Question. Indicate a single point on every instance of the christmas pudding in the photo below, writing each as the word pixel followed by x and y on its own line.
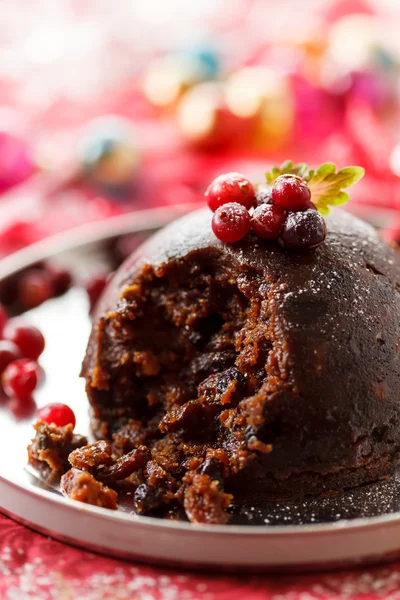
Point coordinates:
pixel 252 357
pixel 240 358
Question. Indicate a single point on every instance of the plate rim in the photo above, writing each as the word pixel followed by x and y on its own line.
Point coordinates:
pixel 91 233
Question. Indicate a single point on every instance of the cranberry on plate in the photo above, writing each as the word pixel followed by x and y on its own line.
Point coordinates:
pixel 3 318
pixel 27 337
pixel 57 413
pixel 94 286
pixel 34 288
pixel 20 378
pixel 8 353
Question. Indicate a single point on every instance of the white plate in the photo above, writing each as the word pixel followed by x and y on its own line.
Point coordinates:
pixel 360 526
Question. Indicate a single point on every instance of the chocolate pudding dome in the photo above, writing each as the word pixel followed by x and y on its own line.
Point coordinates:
pixel 253 352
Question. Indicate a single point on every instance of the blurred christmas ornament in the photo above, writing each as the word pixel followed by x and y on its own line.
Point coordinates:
pixel 352 41
pixel 16 161
pixel 109 155
pixel 371 138
pixel 205 119
pixel 360 61
pixel 375 88
pixel 169 77
pixel 206 60
pixel 315 111
pixel 362 43
pixel 395 160
pixel 264 98
pixel 334 10
pixel 166 80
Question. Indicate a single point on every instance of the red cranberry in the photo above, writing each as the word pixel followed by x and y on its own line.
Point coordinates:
pixel 20 378
pixel 310 205
pixel 34 288
pixel 231 222
pixel 57 413
pixel 3 318
pixel 61 278
pixel 291 192
pixel 8 290
pixel 27 337
pixel 302 230
pixel 94 287
pixel 231 187
pixel 8 353
pixel 264 196
pixel 268 221
pixel 24 409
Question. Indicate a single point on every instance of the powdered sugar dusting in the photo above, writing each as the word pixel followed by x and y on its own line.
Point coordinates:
pixel 382 497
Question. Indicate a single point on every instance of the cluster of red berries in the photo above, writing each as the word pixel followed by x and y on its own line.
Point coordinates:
pixel 284 212
pixel 20 348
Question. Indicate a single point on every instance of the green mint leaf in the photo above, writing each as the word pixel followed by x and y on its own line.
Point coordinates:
pixel 286 168
pixel 326 185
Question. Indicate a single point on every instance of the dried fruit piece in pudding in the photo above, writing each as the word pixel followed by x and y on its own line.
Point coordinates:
pixel 231 222
pixel 27 337
pixel 91 456
pixel 83 487
pixel 231 187
pixel 159 489
pixel 49 450
pixel 124 466
pixel 147 498
pixel 204 501
pixel 267 221
pixel 291 192
pixel 303 230
pixel 57 413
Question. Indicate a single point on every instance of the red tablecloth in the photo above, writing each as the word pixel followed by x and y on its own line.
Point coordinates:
pixel 34 566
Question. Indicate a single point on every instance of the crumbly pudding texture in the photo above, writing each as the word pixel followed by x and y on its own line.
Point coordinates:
pixel 221 375
pixel 178 347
